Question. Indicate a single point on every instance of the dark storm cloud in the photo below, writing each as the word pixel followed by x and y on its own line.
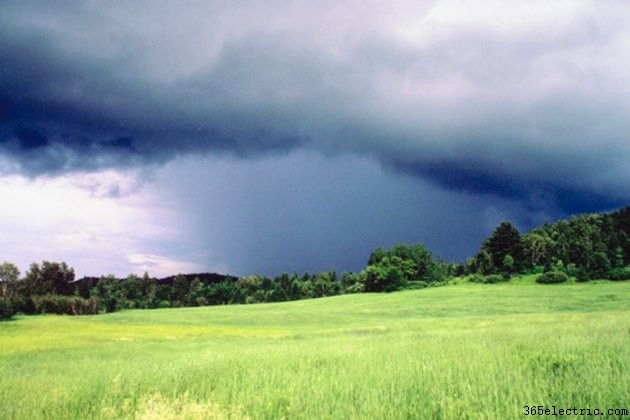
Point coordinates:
pixel 307 212
pixel 480 179
pixel 520 102
pixel 84 112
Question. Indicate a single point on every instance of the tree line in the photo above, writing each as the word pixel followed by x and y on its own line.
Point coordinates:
pixel 591 246
pixel 585 247
pixel 50 287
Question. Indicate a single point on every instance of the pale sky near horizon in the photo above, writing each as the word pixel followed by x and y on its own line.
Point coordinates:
pixel 267 136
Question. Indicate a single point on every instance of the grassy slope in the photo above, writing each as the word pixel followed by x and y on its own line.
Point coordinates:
pixel 462 351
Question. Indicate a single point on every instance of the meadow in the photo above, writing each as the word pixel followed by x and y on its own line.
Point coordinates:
pixel 453 352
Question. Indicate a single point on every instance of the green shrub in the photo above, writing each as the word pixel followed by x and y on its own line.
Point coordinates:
pixel 52 304
pixel 356 288
pixel 70 305
pixel 496 278
pixel 537 269
pixel 490 279
pixel 571 269
pixel 89 306
pixel 6 309
pixel 619 273
pixel 25 305
pixel 600 264
pixel 384 278
pixel 552 277
pixel 476 278
pixel 582 275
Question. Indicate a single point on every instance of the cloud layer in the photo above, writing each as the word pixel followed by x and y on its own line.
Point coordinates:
pixel 526 100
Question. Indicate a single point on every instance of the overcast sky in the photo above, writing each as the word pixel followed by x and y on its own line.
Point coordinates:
pixel 271 136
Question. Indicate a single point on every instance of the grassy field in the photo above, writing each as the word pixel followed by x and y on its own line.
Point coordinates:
pixel 454 352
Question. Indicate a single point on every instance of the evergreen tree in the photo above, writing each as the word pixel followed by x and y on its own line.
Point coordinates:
pixel 179 290
pixel 504 241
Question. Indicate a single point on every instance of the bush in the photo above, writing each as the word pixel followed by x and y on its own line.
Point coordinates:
pixel 6 309
pixel 89 306
pixel 537 269
pixel 384 278
pixel 417 284
pixel 552 277
pixel 356 288
pixel 476 278
pixel 490 279
pixel 571 270
pixel 25 305
pixel 582 275
pixel 496 278
pixel 70 305
pixel 600 265
pixel 620 273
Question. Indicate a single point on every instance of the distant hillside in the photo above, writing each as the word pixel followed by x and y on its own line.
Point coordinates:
pixel 206 278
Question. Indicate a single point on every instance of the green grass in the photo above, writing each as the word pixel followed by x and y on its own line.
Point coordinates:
pixel 461 351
